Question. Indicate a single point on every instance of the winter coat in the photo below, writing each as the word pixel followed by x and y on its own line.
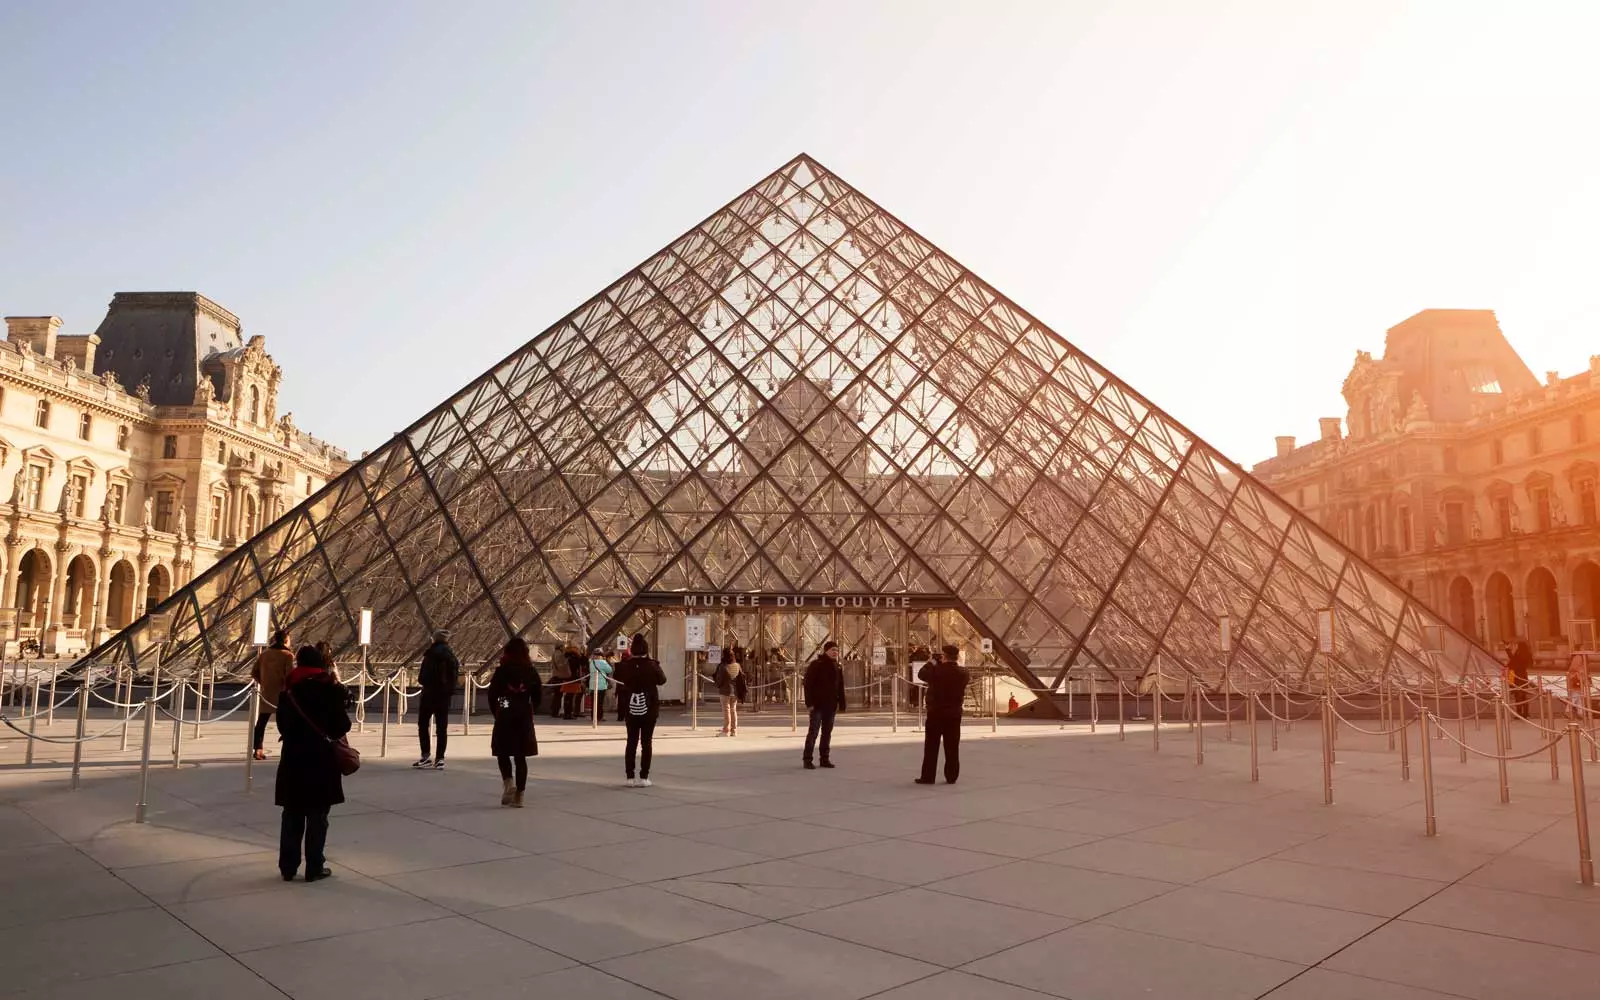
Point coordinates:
pixel 729 679
pixel 577 671
pixel 636 675
pixel 600 669
pixel 824 683
pixel 308 775
pixel 514 693
pixel 947 688
pixel 438 676
pixel 271 670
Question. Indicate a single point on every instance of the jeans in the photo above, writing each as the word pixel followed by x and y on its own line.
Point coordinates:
pixel 641 730
pixel 439 712
pixel 821 721
pixel 261 726
pixel 948 731
pixel 521 770
pixel 297 826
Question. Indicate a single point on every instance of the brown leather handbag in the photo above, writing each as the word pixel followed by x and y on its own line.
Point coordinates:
pixel 345 756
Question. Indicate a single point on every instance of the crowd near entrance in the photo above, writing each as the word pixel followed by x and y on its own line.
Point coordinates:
pixel 880 648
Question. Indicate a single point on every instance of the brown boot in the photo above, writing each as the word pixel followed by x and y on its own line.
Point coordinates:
pixel 507 792
pixel 516 798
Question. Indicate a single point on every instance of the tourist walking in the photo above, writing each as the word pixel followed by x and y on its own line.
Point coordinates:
pixel 731 688
pixel 514 693
pixel 1519 664
pixel 313 718
pixel 438 675
pixel 639 678
pixel 271 670
pixel 560 674
pixel 599 680
pixel 947 682
pixel 824 692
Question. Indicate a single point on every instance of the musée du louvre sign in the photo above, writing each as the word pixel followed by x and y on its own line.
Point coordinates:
pixel 748 601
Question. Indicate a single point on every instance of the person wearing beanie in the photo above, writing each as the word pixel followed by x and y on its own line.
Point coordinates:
pixel 312 718
pixel 639 678
pixel 824 691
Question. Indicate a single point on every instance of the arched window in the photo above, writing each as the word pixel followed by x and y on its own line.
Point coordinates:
pixel 255 405
pixel 41 413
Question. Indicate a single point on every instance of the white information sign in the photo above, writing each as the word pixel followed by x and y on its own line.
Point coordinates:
pixel 880 656
pixel 916 668
pixel 622 644
pixel 694 634
pixel 986 644
pixel 366 626
pixel 1325 630
pixel 160 627
pixel 261 624
pixel 1225 633
pixel 713 655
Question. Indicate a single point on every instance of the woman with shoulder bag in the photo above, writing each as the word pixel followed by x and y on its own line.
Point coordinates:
pixel 312 721
pixel 514 693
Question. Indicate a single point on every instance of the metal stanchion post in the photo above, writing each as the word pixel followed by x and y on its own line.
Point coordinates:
pixel 1550 724
pixel 466 706
pixel 33 722
pixel 1250 720
pixel 894 702
pixel 1500 749
pixel 361 696
pixel 199 708
pixel 1155 713
pixel 144 759
pixel 994 703
pixel 1386 699
pixel 1199 728
pixel 1431 826
pixel 694 702
pixel 794 702
pixel 1405 739
pixel 1227 709
pixel 50 713
pixel 250 739
pixel 1580 804
pixel 77 745
pixel 1437 710
pixel 177 725
pixel 1461 723
pixel 1122 724
pixel 1188 699
pixel 1327 751
pixel 1272 697
pixel 383 740
pixel 127 709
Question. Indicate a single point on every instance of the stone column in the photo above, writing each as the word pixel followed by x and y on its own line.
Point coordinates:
pixel 235 512
pixel 141 587
pixel 58 593
pixel 13 571
pixel 102 598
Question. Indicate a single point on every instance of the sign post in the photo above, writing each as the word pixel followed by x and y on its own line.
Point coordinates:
pixel 364 637
pixel 694 641
pixel 1325 647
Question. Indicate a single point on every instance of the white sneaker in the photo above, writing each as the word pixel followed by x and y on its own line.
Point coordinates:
pixel 424 762
pixel 631 783
pixel 644 782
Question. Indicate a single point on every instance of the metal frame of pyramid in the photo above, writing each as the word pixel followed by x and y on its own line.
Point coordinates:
pixel 801 395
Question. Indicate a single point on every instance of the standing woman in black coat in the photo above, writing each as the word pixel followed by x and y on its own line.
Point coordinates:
pixel 514 692
pixel 311 716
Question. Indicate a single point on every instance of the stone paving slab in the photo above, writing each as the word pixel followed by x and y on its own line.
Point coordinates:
pixel 1064 864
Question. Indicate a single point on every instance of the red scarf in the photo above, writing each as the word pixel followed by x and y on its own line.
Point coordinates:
pixel 299 674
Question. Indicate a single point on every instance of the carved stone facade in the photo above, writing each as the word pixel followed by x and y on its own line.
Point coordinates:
pixel 1465 479
pixel 118 497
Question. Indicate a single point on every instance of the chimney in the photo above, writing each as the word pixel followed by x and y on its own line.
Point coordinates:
pixel 38 332
pixel 1285 445
pixel 1330 428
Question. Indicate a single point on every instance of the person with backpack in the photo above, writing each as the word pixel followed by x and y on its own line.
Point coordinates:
pixel 514 693
pixel 438 675
pixel 824 692
pixel 639 678
pixel 731 688
pixel 947 682
pixel 313 717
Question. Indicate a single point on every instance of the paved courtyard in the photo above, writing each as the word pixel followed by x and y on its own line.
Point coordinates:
pixel 1064 864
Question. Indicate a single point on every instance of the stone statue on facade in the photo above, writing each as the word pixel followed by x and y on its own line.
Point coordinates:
pixel 19 483
pixel 143 392
pixel 149 508
pixel 183 521
pixel 65 506
pixel 204 392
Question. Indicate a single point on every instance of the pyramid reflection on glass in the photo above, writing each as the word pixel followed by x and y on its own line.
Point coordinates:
pixel 803 396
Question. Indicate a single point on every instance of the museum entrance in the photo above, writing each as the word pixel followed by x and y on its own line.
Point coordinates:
pixel 774 639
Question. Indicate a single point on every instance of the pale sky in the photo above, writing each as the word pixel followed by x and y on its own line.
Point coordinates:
pixel 1219 201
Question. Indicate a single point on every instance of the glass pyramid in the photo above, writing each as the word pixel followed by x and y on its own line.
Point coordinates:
pixel 802 402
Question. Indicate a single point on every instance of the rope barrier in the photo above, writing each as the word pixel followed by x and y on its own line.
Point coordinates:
pixel 1369 732
pixel 132 704
pixel 1283 719
pixel 49 711
pixel 1226 713
pixel 1493 756
pixel 193 722
pixel 65 740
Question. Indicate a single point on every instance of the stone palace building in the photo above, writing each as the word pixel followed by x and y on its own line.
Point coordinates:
pixel 132 458
pixel 1464 478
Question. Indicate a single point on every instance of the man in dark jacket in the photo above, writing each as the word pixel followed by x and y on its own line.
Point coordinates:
pixel 1519 663
pixel 824 691
pixel 947 682
pixel 438 675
